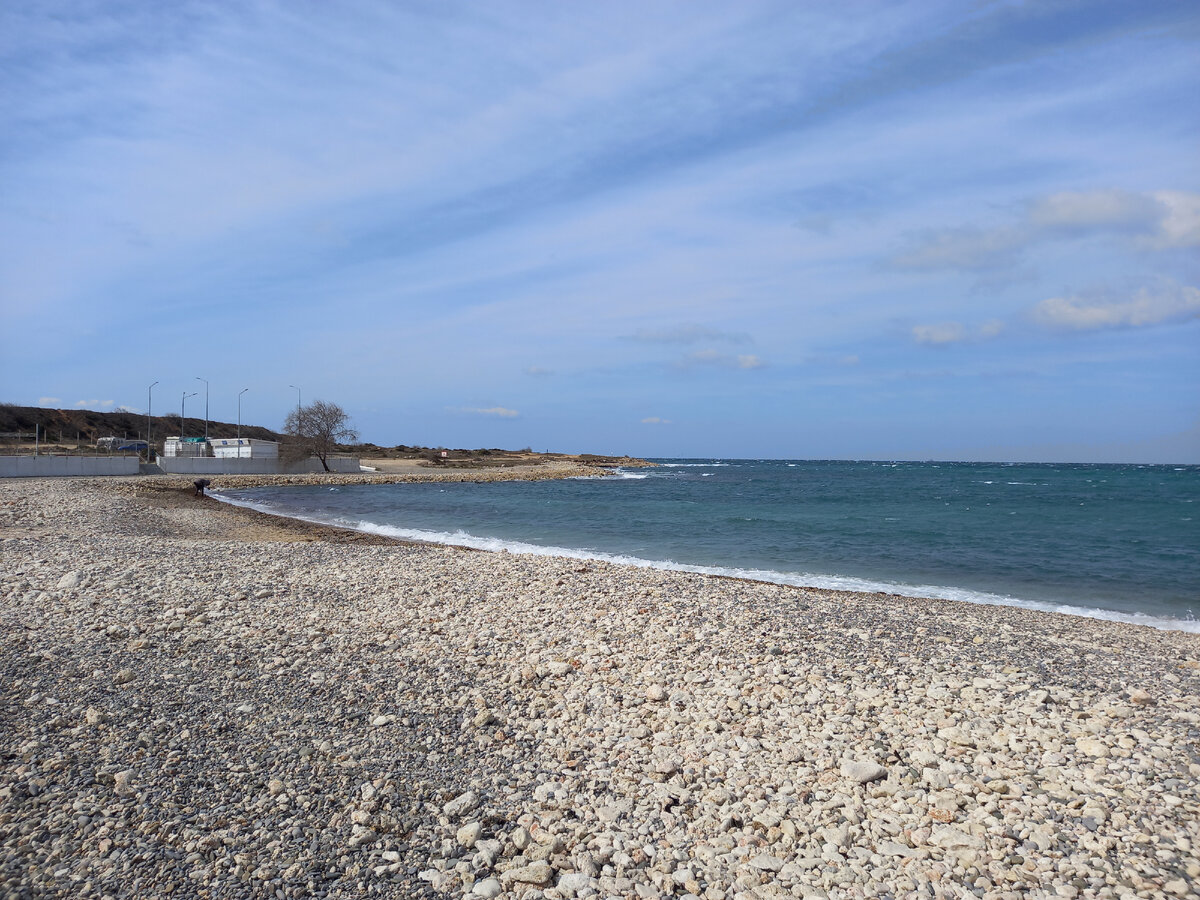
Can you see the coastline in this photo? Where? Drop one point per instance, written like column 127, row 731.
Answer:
column 244, row 703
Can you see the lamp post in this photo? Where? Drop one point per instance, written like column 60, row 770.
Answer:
column 205, row 380
column 149, row 401
column 182, row 404
column 242, row 391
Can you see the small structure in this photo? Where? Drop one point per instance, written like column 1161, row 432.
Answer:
column 243, row 448
column 181, row 446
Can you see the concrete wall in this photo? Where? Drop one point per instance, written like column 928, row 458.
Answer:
column 43, row 466
column 192, row 465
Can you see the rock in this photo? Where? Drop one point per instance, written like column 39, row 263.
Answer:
column 656, row 693
column 1091, row 746
column 70, row 581
column 461, row 805
column 362, row 835
column 892, row 848
column 863, row 772
column 483, row 718
column 538, row 873
column 380, row 721
column 767, row 863
column 488, row 888
column 953, row 839
column 1141, row 698
column 122, row 782
column 95, row 716
column 558, row 668
column 469, row 834
column 274, row 787
column 520, row 838
column 571, row 883
column 123, row 677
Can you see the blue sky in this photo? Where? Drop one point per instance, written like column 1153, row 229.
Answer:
column 863, row 230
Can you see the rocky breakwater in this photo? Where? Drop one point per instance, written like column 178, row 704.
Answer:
column 546, row 471
column 186, row 714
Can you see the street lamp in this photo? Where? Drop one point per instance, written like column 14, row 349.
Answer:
column 182, row 403
column 205, row 380
column 242, row 391
column 149, row 400
column 297, row 390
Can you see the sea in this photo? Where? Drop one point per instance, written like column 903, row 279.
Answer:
column 1117, row 542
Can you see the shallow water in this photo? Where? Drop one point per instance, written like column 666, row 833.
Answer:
column 1119, row 542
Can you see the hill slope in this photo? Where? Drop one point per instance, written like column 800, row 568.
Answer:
column 85, row 426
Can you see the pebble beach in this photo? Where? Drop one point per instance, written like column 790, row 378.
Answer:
column 198, row 700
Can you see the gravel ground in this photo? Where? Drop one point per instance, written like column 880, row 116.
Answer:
column 203, row 701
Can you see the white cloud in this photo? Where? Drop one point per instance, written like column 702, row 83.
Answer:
column 51, row 402
column 1154, row 221
column 93, row 404
column 1076, row 210
column 655, row 420
column 1177, row 303
column 942, row 333
column 538, row 371
column 1180, row 225
column 500, row 411
column 716, row 358
column 992, row 328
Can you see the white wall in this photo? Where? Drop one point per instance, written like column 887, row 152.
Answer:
column 43, row 466
column 192, row 465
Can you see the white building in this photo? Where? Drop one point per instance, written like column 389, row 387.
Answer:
column 177, row 446
column 243, row 448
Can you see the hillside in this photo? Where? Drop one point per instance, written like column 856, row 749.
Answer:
column 84, row 426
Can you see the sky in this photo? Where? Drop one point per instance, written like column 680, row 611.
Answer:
column 925, row 230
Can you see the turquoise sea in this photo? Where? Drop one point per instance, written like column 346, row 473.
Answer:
column 1112, row 541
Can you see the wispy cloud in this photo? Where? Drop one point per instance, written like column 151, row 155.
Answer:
column 500, row 411
column 50, row 402
column 717, row 359
column 944, row 333
column 968, row 247
column 1151, row 221
column 538, row 372
column 1171, row 304
column 100, row 405
column 1102, row 209
column 655, row 420
column 688, row 334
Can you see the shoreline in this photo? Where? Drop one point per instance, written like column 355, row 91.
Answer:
column 239, row 704
column 841, row 584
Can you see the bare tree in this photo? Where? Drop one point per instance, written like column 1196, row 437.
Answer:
column 317, row 429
